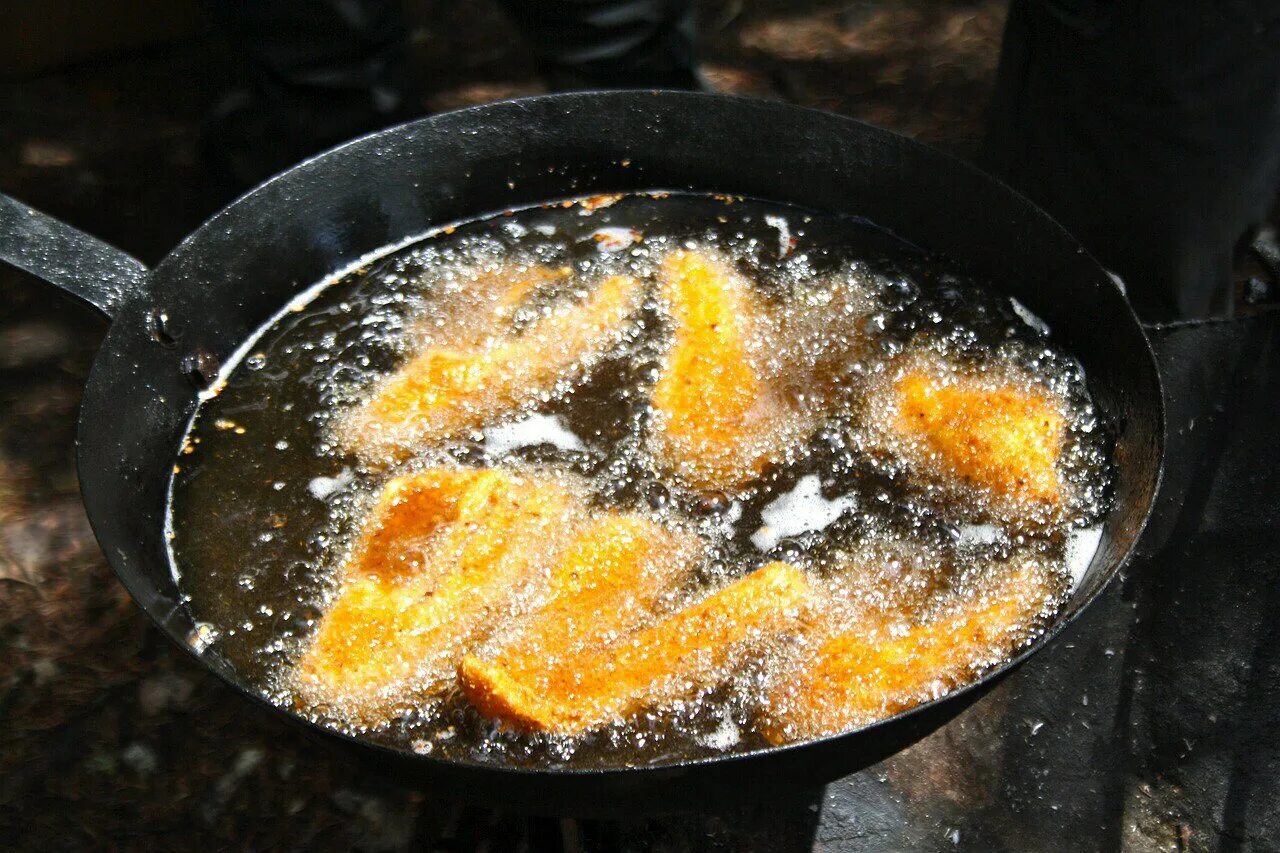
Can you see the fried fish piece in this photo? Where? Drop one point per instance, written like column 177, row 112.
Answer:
column 881, row 667
column 744, row 380
column 398, row 626
column 444, row 391
column 718, row 417
column 678, row 657
column 1001, row 438
column 410, row 511
column 475, row 305
column 607, row 584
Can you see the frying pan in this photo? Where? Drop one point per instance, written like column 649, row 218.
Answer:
column 173, row 326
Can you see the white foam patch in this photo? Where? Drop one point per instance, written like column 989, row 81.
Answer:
column 727, row 734
column 611, row 240
column 1029, row 317
column 1081, row 546
column 784, row 233
column 726, row 521
column 979, row 534
column 322, row 487
column 545, row 229
column 530, row 432
column 798, row 511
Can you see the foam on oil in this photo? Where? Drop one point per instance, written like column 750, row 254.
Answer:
column 264, row 510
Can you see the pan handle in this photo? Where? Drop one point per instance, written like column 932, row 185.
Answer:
column 82, row 266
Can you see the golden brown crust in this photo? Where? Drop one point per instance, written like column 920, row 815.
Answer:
column 444, row 391
column 395, row 631
column 884, row 665
column 689, row 651
column 1001, row 438
column 608, row 582
column 717, row 420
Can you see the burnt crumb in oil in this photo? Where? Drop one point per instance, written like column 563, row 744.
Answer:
column 264, row 503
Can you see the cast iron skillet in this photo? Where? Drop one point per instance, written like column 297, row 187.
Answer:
column 173, row 325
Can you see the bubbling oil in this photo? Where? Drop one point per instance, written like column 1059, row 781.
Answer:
column 270, row 492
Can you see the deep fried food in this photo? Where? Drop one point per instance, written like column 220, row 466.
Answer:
column 445, row 552
column 673, row 659
column 474, row 306
column 744, row 380
column 718, row 418
column 884, row 665
column 1002, row 438
column 606, row 585
column 444, row 391
column 409, row 511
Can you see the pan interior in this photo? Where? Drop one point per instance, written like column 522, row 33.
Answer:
column 263, row 502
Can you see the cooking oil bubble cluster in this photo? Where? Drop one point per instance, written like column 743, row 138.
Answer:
column 634, row 479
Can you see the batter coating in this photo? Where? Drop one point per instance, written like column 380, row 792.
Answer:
column 884, row 665
column 398, row 627
column 1003, row 439
column 607, row 585
column 718, row 418
column 478, row 305
column 444, row 391
column 678, row 657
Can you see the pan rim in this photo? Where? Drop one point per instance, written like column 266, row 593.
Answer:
column 1076, row 605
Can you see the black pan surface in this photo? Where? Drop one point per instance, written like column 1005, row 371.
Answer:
column 174, row 326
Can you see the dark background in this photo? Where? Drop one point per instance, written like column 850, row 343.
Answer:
column 1159, row 736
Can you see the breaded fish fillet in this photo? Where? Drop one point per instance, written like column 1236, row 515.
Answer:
column 718, row 418
column 473, row 306
column 410, row 511
column 678, row 657
column 444, row 391
column 398, row 627
column 855, row 677
column 606, row 585
column 1002, row 439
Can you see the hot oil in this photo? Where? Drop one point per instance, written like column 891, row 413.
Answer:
column 266, row 500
